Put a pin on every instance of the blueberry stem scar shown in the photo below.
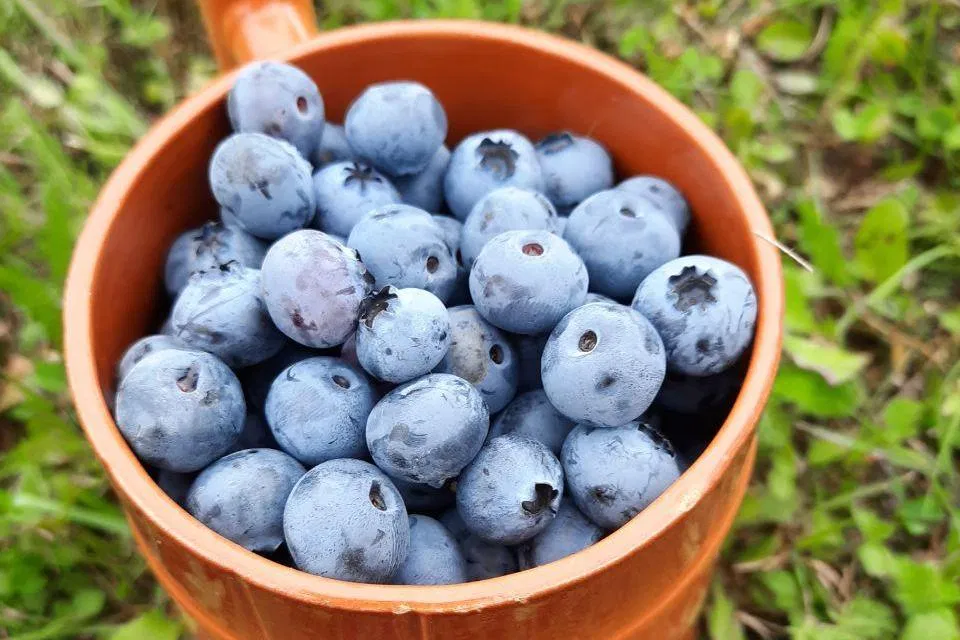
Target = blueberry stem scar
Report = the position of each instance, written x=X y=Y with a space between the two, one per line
x=588 y=341
x=376 y=496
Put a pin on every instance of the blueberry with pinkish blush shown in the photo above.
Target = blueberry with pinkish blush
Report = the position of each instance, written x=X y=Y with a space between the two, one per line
x=313 y=286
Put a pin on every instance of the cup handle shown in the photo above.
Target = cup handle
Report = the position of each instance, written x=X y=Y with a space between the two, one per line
x=245 y=30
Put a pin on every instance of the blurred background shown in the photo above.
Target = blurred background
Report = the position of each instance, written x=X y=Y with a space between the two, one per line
x=846 y=115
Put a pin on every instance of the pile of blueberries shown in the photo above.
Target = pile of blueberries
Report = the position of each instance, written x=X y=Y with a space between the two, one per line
x=495 y=339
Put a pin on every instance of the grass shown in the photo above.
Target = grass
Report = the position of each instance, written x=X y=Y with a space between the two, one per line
x=845 y=113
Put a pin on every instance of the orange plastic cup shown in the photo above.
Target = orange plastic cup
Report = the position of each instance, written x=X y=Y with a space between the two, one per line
x=646 y=580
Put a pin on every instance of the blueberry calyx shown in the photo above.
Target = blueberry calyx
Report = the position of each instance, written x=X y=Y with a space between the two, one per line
x=188 y=381
x=544 y=496
x=499 y=158
x=228 y=266
x=692 y=288
x=208 y=238
x=372 y=305
x=555 y=142
x=367 y=276
x=361 y=174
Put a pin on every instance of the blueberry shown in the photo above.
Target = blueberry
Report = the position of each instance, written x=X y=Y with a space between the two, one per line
x=434 y=556
x=347 y=191
x=574 y=168
x=331 y=147
x=484 y=559
x=280 y=556
x=487 y=560
x=221 y=310
x=613 y=474
x=593 y=296
x=451 y=228
x=531 y=415
x=511 y=490
x=422 y=497
x=404 y=246
x=166 y=328
x=455 y=525
x=665 y=197
x=263 y=184
x=699 y=394
x=562 y=224
x=241 y=496
x=461 y=289
x=690 y=435
x=317 y=410
x=144 y=347
x=403 y=333
x=529 y=350
x=396 y=126
x=506 y=209
x=427 y=430
x=603 y=364
x=277 y=99
x=180 y=410
x=425 y=189
x=255 y=435
x=451 y=231
x=256 y=380
x=344 y=519
x=566 y=534
x=174 y=484
x=480 y=354
x=207 y=247
x=313 y=286
x=704 y=309
x=486 y=161
x=525 y=281
x=621 y=238
x=348 y=350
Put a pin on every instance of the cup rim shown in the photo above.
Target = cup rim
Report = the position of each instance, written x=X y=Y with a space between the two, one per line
x=134 y=484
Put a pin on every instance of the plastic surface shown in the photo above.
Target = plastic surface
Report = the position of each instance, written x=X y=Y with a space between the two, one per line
x=647 y=580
